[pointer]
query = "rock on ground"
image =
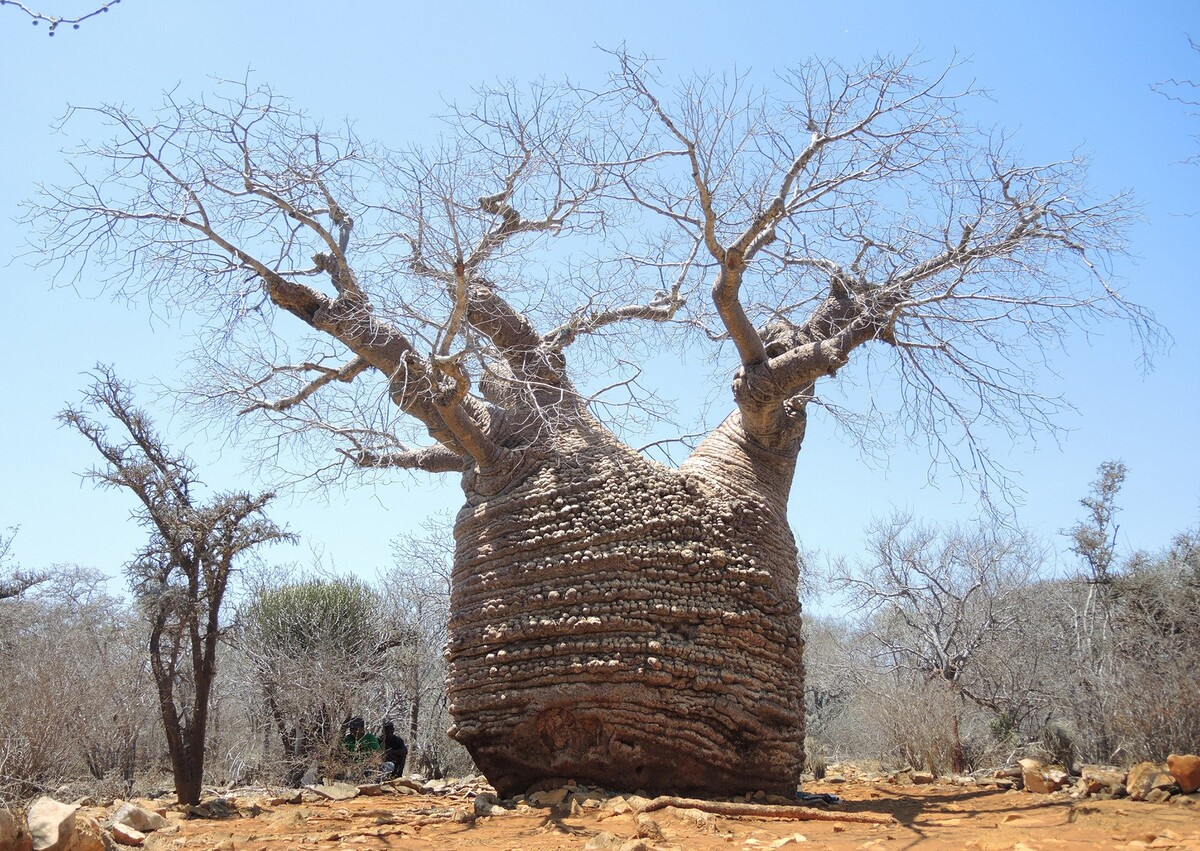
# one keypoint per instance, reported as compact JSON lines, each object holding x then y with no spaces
{"x":1185,"y":769}
{"x":51,"y":824}
{"x":1146,"y":778}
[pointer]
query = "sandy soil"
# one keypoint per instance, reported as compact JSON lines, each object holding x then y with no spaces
{"x":928,"y":816}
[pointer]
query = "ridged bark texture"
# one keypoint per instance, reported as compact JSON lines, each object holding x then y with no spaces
{"x":631,"y":626}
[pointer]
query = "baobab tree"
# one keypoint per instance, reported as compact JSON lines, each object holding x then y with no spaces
{"x":626,"y":622}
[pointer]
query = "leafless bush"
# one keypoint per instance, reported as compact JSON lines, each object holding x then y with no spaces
{"x":418,"y":594}
{"x":81,"y":704}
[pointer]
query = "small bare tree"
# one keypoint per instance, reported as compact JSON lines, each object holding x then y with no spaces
{"x":418,"y":592}
{"x":933,"y":600}
{"x":182,"y":574}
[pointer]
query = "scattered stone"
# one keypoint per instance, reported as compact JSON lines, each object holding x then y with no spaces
{"x":51,"y":824}
{"x":835,"y":779}
{"x":138,"y":818}
{"x":89,"y":835}
{"x":487,"y":804}
{"x":335,"y":791}
{"x":602,"y":841}
{"x":1056,"y":779}
{"x":922,"y":778}
{"x":1158,"y":796}
{"x":372,"y":790}
{"x":587,"y":800}
{"x":699,"y":818}
{"x":647,"y":828}
{"x":635,"y":845}
{"x":1099,"y":778}
{"x":1145,"y":777}
{"x":1185,"y":769}
{"x":1031,"y":776}
{"x":404,"y":786}
{"x":549,"y":797}
{"x":126,"y":835}
{"x":789,"y":840}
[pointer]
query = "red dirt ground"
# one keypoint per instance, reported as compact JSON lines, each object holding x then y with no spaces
{"x":929,"y":816}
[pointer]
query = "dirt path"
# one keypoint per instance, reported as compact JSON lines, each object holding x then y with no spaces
{"x":929,"y":816}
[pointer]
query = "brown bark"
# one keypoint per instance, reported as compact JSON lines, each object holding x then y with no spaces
{"x":629,"y":625}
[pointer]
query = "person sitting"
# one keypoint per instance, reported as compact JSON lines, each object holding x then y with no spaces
{"x":395,"y":750}
{"x":364,"y":747}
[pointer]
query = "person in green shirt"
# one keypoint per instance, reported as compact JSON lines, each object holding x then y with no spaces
{"x":364,"y":748}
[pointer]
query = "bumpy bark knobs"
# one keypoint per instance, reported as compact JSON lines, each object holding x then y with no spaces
{"x":630,"y":626}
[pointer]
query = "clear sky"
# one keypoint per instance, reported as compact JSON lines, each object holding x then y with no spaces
{"x":1063,"y":76}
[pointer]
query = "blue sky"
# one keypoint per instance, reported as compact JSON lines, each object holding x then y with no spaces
{"x":1063,"y":76}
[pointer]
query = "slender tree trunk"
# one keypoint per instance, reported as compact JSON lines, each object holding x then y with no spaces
{"x":630,"y":625}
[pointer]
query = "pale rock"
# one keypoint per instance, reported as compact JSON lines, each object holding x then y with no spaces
{"x":126,"y":835}
{"x":1158,"y":796}
{"x":922,"y":778}
{"x":1185,"y":768}
{"x":487,"y":804}
{"x":588,"y":800}
{"x":1145,"y":777}
{"x":1099,"y":778}
{"x":1031,"y":776}
{"x":138,"y":818}
{"x":795,"y":838}
{"x":602,"y":841}
{"x":1056,"y":779}
{"x":635,"y":845}
{"x":617,"y":806}
{"x":89,"y":835}
{"x":51,"y":824}
{"x":335,"y":791}
{"x":647,"y":828}
{"x":549,"y":797}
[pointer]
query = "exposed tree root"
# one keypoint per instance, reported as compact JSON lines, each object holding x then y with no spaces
{"x":740,"y":808}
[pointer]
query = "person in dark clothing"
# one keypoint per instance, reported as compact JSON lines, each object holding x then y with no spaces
{"x":394,"y":749}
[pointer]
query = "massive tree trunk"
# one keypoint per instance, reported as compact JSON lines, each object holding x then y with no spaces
{"x":630,"y":625}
